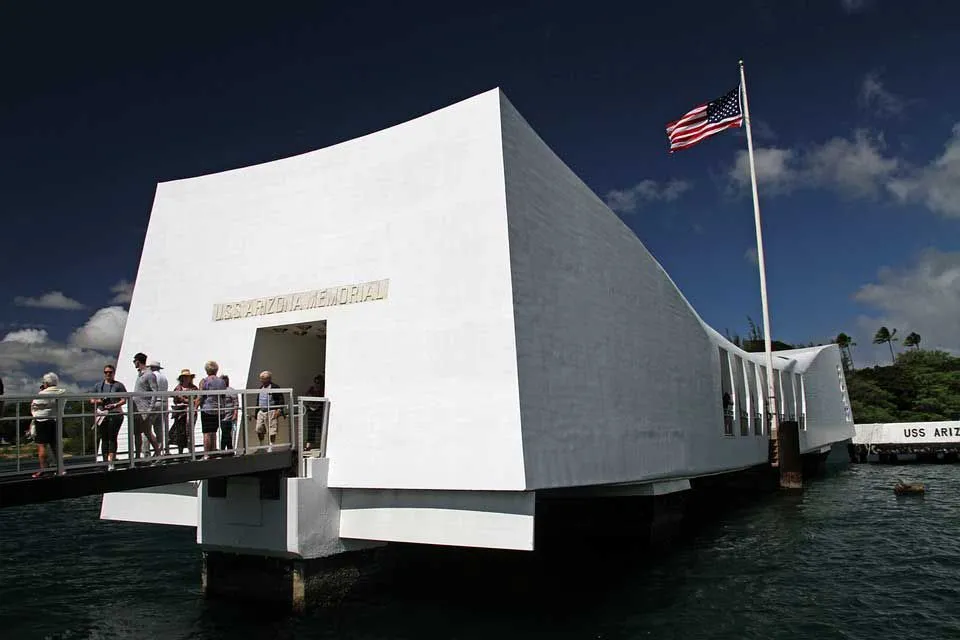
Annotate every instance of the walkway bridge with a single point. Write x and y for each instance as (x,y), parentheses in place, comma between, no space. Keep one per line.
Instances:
(266,442)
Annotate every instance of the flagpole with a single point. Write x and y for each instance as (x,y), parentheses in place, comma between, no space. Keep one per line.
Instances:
(767,343)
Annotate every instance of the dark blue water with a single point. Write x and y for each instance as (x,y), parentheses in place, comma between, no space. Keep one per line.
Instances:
(846,560)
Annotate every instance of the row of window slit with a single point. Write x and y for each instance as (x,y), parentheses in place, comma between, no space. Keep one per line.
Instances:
(744,387)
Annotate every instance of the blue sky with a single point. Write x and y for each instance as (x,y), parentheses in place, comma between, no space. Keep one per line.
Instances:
(855,106)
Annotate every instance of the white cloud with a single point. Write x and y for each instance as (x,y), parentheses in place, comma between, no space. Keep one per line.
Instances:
(750,255)
(924,298)
(936,185)
(103,331)
(858,167)
(123,291)
(70,363)
(26,353)
(853,167)
(20,382)
(51,300)
(877,98)
(27,336)
(633,198)
(775,170)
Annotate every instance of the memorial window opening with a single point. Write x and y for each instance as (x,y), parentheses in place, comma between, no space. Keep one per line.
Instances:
(726,392)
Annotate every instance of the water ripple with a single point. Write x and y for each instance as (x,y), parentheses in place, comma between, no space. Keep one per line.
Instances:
(845,560)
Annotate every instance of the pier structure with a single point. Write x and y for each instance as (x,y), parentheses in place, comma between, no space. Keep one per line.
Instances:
(893,442)
(502,355)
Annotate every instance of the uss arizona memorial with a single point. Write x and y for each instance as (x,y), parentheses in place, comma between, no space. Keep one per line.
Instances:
(490,333)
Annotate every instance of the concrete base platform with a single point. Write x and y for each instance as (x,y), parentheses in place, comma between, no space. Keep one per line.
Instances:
(569,527)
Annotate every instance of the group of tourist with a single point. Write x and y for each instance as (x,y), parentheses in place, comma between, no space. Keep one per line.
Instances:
(152,413)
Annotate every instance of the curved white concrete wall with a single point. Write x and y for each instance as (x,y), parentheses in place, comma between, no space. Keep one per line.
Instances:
(528,339)
(424,382)
(619,377)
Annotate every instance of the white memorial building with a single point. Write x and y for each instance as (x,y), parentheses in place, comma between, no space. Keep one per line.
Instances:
(490,333)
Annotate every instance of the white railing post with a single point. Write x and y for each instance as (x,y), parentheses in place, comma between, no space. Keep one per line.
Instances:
(323,427)
(16,427)
(191,426)
(131,419)
(59,439)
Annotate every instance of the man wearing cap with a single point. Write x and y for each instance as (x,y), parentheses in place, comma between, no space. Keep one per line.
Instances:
(269,408)
(161,405)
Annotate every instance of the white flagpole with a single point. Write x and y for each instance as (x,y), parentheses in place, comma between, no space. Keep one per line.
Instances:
(771,395)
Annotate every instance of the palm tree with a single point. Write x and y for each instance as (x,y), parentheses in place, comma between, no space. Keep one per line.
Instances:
(845,342)
(912,340)
(884,335)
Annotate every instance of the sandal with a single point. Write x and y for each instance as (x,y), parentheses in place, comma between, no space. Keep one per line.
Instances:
(37,474)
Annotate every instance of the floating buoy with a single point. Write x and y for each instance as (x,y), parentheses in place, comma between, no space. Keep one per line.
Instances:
(902,488)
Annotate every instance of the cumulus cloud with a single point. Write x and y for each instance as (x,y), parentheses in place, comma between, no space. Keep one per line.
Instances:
(26,353)
(854,166)
(775,169)
(936,185)
(923,297)
(633,198)
(877,98)
(123,292)
(70,363)
(52,300)
(27,336)
(858,167)
(103,331)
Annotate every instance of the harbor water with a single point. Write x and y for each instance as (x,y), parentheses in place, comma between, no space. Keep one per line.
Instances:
(846,559)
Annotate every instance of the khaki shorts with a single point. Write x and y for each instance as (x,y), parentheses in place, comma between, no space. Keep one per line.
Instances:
(143,423)
(268,421)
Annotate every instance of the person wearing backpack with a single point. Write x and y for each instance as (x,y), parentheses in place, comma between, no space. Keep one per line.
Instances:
(109,412)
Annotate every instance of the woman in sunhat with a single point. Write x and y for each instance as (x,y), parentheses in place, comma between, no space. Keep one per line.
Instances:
(184,414)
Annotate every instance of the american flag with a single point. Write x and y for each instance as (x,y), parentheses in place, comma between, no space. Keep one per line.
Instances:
(706,120)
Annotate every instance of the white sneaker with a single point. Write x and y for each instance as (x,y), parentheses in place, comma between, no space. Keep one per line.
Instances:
(110,467)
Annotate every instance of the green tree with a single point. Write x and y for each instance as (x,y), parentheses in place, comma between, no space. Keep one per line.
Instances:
(845,343)
(884,336)
(912,340)
(923,386)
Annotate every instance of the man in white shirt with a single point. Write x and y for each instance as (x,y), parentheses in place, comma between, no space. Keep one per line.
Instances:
(161,405)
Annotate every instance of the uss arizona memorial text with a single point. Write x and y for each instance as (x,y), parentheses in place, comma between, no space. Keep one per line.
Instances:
(332,296)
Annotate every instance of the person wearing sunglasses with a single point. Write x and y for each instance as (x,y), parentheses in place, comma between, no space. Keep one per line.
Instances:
(109,413)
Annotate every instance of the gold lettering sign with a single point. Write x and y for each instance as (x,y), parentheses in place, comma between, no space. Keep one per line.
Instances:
(329,297)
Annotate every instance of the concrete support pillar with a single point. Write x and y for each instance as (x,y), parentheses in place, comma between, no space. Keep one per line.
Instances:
(666,517)
(791,464)
(293,584)
(250,578)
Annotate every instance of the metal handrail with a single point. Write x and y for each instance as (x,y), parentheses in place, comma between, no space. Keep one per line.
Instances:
(137,394)
(64,411)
